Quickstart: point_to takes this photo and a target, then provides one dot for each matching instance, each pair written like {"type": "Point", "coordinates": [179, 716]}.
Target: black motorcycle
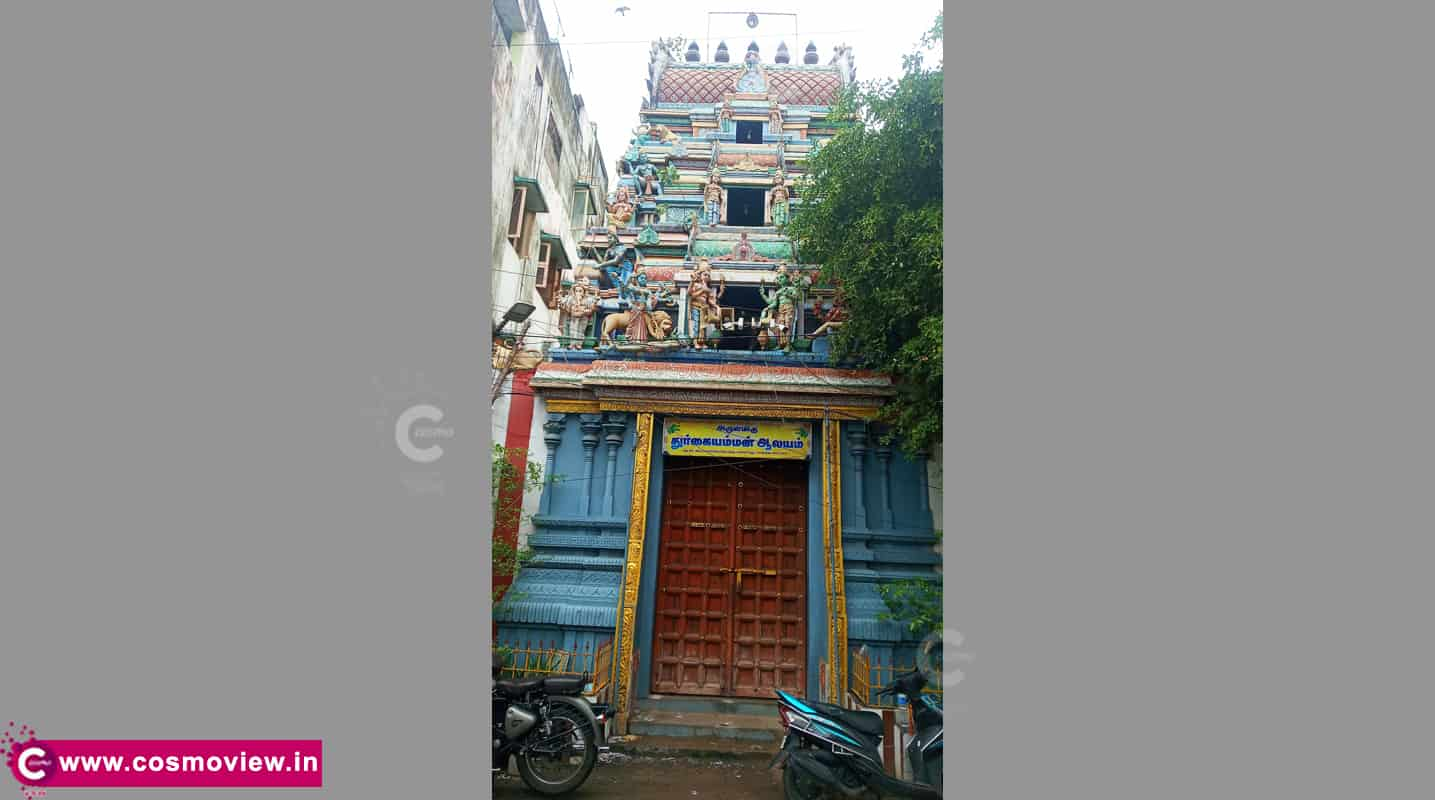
{"type": "Point", "coordinates": [547, 726]}
{"type": "Point", "coordinates": [830, 751]}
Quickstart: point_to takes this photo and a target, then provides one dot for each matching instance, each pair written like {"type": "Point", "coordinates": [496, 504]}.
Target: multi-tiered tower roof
{"type": "Point", "coordinates": [708, 182]}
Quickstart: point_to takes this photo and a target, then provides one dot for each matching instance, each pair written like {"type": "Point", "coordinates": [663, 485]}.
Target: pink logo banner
{"type": "Point", "coordinates": [163, 763]}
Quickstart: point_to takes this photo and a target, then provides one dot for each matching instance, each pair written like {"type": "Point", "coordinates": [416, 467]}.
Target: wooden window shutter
{"type": "Point", "coordinates": [515, 217]}
{"type": "Point", "coordinates": [544, 250]}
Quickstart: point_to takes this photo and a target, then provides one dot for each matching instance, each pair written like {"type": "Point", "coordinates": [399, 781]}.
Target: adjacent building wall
{"type": "Point", "coordinates": [532, 100]}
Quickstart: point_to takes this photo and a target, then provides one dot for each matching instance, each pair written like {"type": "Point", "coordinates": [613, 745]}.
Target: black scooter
{"type": "Point", "coordinates": [830, 751]}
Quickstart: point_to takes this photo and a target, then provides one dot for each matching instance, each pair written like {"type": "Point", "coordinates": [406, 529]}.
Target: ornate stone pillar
{"type": "Point", "coordinates": [552, 436]}
{"type": "Point", "coordinates": [857, 435]}
{"type": "Point", "coordinates": [614, 425]}
{"type": "Point", "coordinates": [884, 458]}
{"type": "Point", "coordinates": [589, 423]}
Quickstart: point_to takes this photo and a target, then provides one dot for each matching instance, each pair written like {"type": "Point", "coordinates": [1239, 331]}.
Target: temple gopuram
{"type": "Point", "coordinates": [719, 505]}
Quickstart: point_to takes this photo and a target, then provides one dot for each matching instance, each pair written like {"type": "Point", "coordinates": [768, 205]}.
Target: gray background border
{"type": "Point", "coordinates": [1187, 460]}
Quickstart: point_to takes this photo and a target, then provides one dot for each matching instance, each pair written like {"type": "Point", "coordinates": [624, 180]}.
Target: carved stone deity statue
{"type": "Point", "coordinates": [777, 200]}
{"type": "Point", "coordinates": [642, 321]}
{"type": "Point", "coordinates": [774, 120]}
{"type": "Point", "coordinates": [712, 199]}
{"type": "Point", "coordinates": [577, 306]}
{"type": "Point", "coordinates": [648, 179]}
{"type": "Point", "coordinates": [704, 313]}
{"type": "Point", "coordinates": [780, 314]}
{"type": "Point", "coordinates": [743, 250]}
{"type": "Point", "coordinates": [620, 211]}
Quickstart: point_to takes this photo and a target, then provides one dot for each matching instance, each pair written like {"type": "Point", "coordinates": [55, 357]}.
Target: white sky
{"type": "Point", "coordinates": [609, 52]}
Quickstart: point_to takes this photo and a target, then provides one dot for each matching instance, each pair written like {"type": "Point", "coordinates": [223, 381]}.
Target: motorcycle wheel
{"type": "Point", "coordinates": [570, 767]}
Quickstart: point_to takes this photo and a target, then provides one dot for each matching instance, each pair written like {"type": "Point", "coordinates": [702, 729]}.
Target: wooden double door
{"type": "Point", "coordinates": [731, 611]}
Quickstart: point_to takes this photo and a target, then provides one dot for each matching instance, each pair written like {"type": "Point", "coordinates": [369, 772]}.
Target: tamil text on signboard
{"type": "Point", "coordinates": [742, 438]}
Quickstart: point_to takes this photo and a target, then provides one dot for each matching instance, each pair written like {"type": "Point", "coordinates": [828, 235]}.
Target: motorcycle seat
{"type": "Point", "coordinates": [866, 722]}
{"type": "Point", "coordinates": [563, 685]}
{"type": "Point", "coordinates": [518, 688]}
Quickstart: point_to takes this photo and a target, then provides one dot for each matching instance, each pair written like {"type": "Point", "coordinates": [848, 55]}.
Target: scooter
{"type": "Point", "coordinates": [831, 751]}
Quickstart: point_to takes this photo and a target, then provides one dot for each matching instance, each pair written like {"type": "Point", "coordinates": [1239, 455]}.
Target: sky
{"type": "Point", "coordinates": [608, 52]}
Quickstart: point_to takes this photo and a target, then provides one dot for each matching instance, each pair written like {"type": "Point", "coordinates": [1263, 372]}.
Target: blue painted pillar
{"type": "Point", "coordinates": [857, 434]}
{"type": "Point", "coordinates": [613, 428]}
{"type": "Point", "coordinates": [884, 458]}
{"type": "Point", "coordinates": [590, 425]}
{"type": "Point", "coordinates": [922, 487]}
{"type": "Point", "coordinates": [552, 436]}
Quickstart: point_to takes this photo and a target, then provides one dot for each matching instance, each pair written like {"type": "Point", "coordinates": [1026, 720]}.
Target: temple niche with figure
{"type": "Point", "coordinates": [711, 456]}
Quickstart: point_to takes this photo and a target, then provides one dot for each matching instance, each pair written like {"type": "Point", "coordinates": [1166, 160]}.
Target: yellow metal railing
{"type": "Point", "coordinates": [868, 677]}
{"type": "Point", "coordinates": [532, 659]}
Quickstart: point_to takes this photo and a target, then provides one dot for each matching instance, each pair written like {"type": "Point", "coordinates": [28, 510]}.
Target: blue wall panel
{"type": "Point", "coordinates": [886, 535]}
{"type": "Point", "coordinates": [569, 592]}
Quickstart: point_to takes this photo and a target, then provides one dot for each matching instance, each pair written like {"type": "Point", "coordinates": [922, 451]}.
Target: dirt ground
{"type": "Point", "coordinates": [666, 778]}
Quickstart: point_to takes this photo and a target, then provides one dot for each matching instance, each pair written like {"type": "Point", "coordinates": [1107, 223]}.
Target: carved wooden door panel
{"type": "Point", "coordinates": [732, 579]}
{"type": "Point", "coordinates": [691, 627]}
{"type": "Point", "coordinates": [769, 619]}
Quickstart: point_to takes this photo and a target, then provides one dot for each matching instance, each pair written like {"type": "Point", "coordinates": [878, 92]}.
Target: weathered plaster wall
{"type": "Point", "coordinates": [530, 86]}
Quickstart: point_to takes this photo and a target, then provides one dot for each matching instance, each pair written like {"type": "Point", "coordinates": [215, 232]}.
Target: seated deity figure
{"type": "Point", "coordinates": [743, 250]}
{"type": "Point", "coordinates": [620, 211]}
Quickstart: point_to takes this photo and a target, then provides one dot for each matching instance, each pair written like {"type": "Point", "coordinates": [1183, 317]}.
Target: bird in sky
{"type": "Point", "coordinates": [622, 11]}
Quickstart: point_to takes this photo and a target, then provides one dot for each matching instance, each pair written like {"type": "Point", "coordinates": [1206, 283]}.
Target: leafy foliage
{"type": "Point", "coordinates": [508, 479]}
{"type": "Point", "coordinates": [872, 216]}
{"type": "Point", "coordinates": [915, 603]}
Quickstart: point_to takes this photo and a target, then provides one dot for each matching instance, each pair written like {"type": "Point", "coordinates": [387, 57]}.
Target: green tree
{"type": "Point", "coordinates": [871, 215]}
{"type": "Point", "coordinates": [914, 603]}
{"type": "Point", "coordinates": [509, 481]}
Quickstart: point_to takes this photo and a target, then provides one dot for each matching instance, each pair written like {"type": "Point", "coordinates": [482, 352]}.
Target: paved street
{"type": "Point", "coordinates": [667, 778]}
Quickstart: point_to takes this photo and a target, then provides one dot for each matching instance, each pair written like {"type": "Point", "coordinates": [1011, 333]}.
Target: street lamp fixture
{"type": "Point", "coordinates": [517, 312]}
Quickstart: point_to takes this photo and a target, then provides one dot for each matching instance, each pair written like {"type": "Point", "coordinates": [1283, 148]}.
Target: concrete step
{"type": "Point", "coordinates": [718, 705]}
{"type": "Point", "coordinates": [754, 728]}
{"type": "Point", "coordinates": [703, 747]}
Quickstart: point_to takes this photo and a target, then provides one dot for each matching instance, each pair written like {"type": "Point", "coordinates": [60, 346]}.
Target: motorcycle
{"type": "Point", "coordinates": [548, 728]}
{"type": "Point", "coordinates": [831, 751]}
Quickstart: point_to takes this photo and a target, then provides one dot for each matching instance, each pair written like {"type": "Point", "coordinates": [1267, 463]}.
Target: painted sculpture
{"type": "Point", "coordinates": [752, 80]}
{"type": "Point", "coordinates": [774, 120]}
{"type": "Point", "coordinates": [779, 317]}
{"type": "Point", "coordinates": [647, 176]}
{"type": "Point", "coordinates": [704, 313]}
{"type": "Point", "coordinates": [661, 133]}
{"type": "Point", "coordinates": [620, 211]}
{"type": "Point", "coordinates": [777, 199]}
{"type": "Point", "coordinates": [835, 316]}
{"type": "Point", "coordinates": [577, 306]}
{"type": "Point", "coordinates": [712, 200]}
{"type": "Point", "coordinates": [742, 250]}
{"type": "Point", "coordinates": [643, 321]}
{"type": "Point", "coordinates": [619, 262]}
